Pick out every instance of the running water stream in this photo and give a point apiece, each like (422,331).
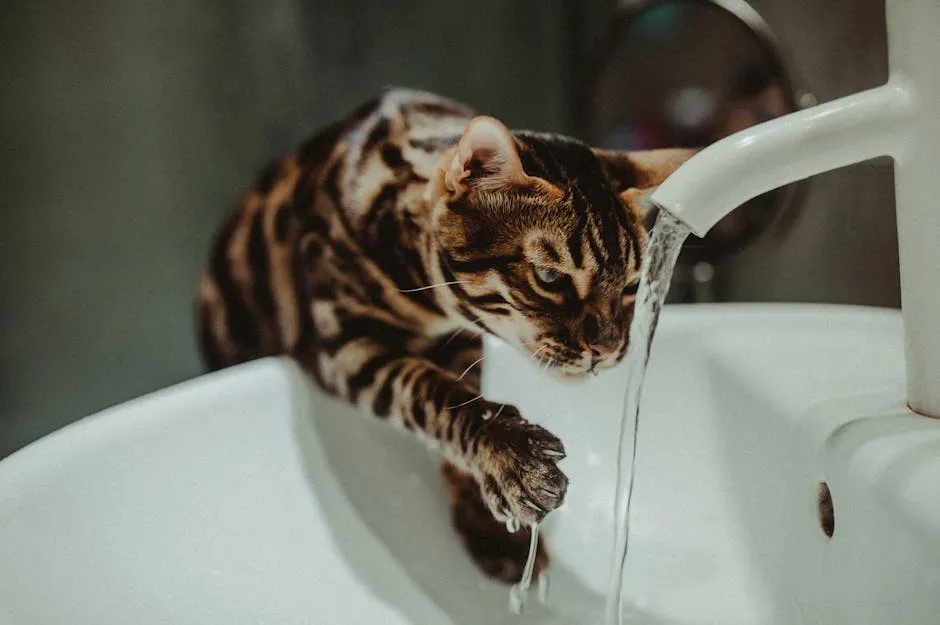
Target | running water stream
(661,253)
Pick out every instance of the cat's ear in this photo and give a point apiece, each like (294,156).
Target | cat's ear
(635,174)
(485,158)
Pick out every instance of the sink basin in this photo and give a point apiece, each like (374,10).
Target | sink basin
(246,496)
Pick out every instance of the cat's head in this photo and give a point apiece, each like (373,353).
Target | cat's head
(543,238)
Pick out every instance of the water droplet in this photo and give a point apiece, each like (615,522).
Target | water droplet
(518,593)
(544,587)
(516,599)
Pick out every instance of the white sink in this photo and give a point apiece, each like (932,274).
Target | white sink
(247,497)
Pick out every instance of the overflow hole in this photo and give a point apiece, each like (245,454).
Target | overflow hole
(827,518)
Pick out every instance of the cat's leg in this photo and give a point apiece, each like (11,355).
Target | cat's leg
(499,553)
(512,460)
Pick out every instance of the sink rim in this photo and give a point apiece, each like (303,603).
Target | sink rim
(55,447)
(674,315)
(111,422)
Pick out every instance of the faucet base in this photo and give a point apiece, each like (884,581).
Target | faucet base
(914,49)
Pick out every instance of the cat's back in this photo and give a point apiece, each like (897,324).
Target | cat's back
(395,140)
(344,182)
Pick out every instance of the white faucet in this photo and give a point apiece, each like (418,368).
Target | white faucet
(900,119)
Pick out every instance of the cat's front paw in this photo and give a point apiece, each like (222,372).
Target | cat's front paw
(517,467)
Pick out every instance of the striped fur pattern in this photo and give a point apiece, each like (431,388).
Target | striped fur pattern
(379,251)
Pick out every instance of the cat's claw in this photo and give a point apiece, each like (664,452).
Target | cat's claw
(517,468)
(551,452)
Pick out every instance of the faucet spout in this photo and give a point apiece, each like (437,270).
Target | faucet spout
(732,171)
(898,119)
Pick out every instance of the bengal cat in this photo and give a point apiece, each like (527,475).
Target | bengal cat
(379,251)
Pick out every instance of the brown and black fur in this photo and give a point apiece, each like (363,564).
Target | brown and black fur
(379,251)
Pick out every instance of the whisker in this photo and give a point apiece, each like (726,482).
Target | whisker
(432,286)
(536,353)
(452,337)
(469,401)
(467,370)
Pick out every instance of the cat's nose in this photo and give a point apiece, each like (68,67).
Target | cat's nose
(600,343)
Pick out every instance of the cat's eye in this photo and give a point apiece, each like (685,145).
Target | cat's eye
(552,280)
(631,288)
(546,275)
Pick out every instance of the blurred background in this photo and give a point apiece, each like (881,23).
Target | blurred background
(130,127)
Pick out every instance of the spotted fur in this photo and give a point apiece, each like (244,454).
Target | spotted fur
(379,251)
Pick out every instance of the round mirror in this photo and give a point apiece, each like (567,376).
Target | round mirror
(686,73)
